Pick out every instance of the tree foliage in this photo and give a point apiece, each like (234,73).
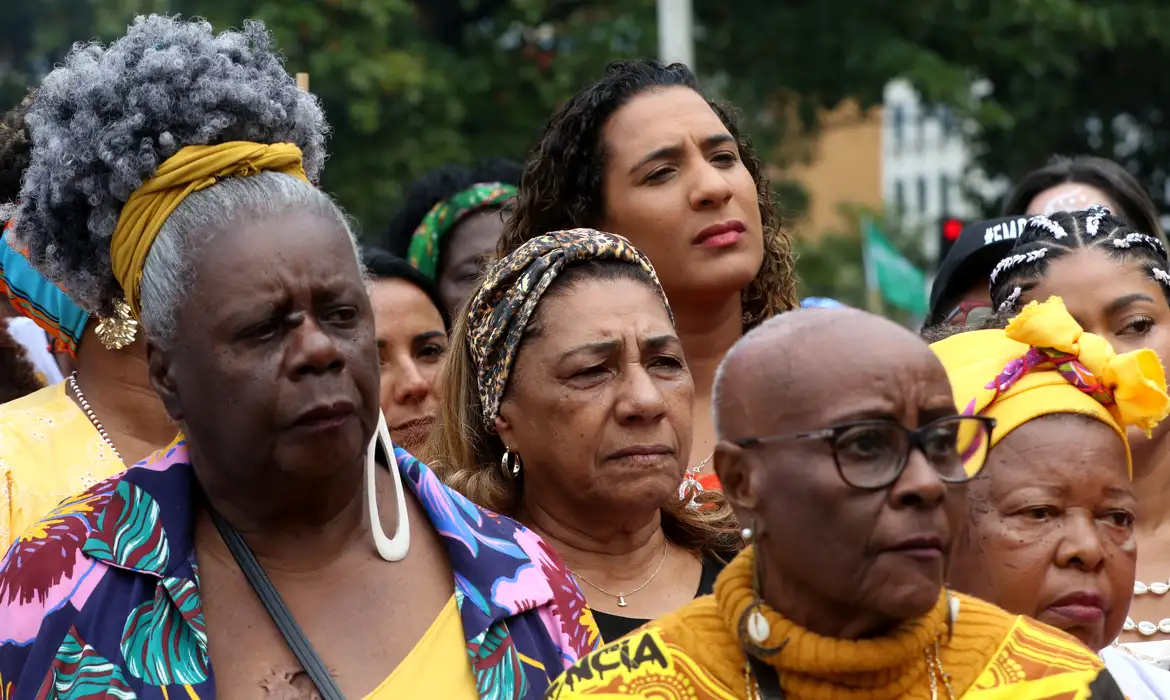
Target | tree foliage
(407,86)
(412,84)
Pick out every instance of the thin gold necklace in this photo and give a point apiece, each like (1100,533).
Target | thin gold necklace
(72,380)
(622,596)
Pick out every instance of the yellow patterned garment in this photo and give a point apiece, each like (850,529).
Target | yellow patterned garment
(693,654)
(49,451)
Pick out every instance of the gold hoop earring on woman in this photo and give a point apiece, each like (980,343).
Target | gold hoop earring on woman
(510,464)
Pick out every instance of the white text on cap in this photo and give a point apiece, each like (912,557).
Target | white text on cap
(1005,230)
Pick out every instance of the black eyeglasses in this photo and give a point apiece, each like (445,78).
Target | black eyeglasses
(872,454)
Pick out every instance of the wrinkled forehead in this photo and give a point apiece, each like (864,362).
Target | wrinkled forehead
(257,262)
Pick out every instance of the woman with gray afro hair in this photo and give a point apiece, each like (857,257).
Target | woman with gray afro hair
(105,120)
(282,546)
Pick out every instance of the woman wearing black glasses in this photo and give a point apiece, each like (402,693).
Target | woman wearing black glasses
(853,498)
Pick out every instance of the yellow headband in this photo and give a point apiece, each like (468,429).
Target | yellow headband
(192,169)
(1045,363)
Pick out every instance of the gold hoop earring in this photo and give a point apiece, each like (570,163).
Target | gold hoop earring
(510,464)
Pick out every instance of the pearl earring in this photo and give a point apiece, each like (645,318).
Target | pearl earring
(747,534)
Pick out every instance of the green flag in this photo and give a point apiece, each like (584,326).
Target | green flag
(888,271)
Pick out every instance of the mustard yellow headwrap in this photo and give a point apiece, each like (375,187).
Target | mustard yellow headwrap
(192,169)
(1045,363)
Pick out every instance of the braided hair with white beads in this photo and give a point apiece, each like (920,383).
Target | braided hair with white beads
(1048,238)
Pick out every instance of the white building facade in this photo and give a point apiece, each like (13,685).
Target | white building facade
(926,166)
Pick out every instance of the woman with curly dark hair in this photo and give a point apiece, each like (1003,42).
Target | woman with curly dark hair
(17,376)
(450,223)
(644,154)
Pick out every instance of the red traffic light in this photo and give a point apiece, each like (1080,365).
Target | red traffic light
(951,229)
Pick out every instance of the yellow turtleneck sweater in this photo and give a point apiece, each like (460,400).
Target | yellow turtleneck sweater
(694,654)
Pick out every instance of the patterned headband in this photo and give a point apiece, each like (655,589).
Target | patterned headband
(1067,365)
(37,298)
(511,291)
(423,254)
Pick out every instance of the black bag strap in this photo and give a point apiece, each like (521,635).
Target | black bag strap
(767,679)
(289,629)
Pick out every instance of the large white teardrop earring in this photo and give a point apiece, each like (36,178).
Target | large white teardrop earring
(397,548)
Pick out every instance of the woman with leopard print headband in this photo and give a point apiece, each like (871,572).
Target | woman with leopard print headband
(567,406)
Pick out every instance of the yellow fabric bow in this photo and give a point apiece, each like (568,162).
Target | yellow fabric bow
(192,169)
(993,374)
(1136,379)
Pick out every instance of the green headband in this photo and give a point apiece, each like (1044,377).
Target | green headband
(423,254)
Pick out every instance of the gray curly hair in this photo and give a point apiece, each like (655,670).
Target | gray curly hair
(108,117)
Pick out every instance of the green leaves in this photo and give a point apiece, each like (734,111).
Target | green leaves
(409,85)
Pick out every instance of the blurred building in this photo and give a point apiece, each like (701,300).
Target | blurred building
(927,172)
(924,158)
(841,166)
(906,158)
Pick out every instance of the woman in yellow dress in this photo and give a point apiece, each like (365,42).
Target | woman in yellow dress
(104,417)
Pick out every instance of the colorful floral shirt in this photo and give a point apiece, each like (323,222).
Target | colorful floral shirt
(101,598)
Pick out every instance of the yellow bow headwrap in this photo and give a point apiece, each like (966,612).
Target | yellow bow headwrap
(192,169)
(1045,363)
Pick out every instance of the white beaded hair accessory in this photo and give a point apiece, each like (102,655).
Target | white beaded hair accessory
(1048,225)
(1011,300)
(1161,275)
(1093,220)
(1012,260)
(1140,239)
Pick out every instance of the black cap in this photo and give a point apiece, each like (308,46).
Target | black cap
(980,246)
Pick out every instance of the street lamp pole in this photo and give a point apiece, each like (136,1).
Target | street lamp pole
(676,38)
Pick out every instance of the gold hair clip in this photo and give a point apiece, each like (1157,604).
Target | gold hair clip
(120,330)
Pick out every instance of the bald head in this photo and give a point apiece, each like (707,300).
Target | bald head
(828,385)
(802,360)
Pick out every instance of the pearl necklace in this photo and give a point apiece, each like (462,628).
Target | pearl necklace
(72,380)
(1145,627)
